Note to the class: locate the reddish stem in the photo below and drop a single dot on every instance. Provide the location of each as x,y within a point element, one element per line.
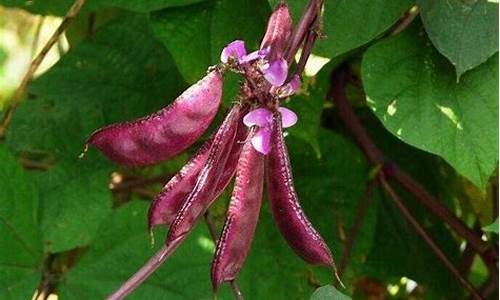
<point>153,263</point>
<point>376,158</point>
<point>426,237</point>
<point>363,206</point>
<point>311,13</point>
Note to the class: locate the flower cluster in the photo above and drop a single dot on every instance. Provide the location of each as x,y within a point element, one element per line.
<point>249,143</point>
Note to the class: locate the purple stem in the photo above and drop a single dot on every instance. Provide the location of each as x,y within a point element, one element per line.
<point>153,263</point>
<point>311,13</point>
<point>376,158</point>
<point>426,237</point>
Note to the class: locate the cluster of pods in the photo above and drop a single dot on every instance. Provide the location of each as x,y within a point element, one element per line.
<point>248,145</point>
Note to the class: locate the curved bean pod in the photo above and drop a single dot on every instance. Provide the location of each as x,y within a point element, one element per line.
<point>165,133</point>
<point>169,201</point>
<point>203,193</point>
<point>242,217</point>
<point>285,207</point>
<point>279,30</point>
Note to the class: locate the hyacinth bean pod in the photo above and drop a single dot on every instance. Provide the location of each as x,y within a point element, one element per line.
<point>242,217</point>
<point>165,133</point>
<point>278,32</point>
<point>285,207</point>
<point>169,201</point>
<point>203,193</point>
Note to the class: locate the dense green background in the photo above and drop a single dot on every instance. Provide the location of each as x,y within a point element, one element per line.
<point>427,95</point>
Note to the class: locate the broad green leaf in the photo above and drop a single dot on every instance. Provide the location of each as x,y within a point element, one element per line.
<point>185,32</point>
<point>21,247</point>
<point>238,19</point>
<point>413,91</point>
<point>466,32</point>
<point>328,292</point>
<point>122,73</point>
<point>399,252</point>
<point>308,109</point>
<point>493,227</point>
<point>75,200</point>
<point>349,24</point>
<point>52,7</point>
<point>60,7</point>
<point>123,246</point>
<point>140,5</point>
<point>196,34</point>
<point>308,105</point>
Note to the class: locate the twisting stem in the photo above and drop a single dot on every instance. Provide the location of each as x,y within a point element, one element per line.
<point>213,233</point>
<point>310,39</point>
<point>473,238</point>
<point>363,206</point>
<point>19,93</point>
<point>375,157</point>
<point>425,236</point>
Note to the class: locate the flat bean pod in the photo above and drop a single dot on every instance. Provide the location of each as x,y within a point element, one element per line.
<point>285,207</point>
<point>169,201</point>
<point>278,32</point>
<point>203,193</point>
<point>242,217</point>
<point>166,133</point>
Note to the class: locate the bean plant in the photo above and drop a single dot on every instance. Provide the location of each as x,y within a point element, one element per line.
<point>220,149</point>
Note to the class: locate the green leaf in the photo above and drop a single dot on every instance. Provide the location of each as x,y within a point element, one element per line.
<point>349,24</point>
<point>196,34</point>
<point>466,32</point>
<point>238,20</point>
<point>413,91</point>
<point>76,200</point>
<point>122,73</point>
<point>60,7</point>
<point>143,6</point>
<point>21,250</point>
<point>52,7</point>
<point>328,292</point>
<point>493,227</point>
<point>123,246</point>
<point>185,32</point>
<point>397,250</point>
<point>308,109</point>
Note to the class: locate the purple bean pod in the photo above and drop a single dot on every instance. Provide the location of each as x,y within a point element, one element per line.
<point>278,32</point>
<point>203,193</point>
<point>242,217</point>
<point>166,133</point>
<point>285,207</point>
<point>169,201</point>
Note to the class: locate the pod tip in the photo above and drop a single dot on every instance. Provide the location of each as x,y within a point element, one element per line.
<point>151,237</point>
<point>85,149</point>
<point>336,274</point>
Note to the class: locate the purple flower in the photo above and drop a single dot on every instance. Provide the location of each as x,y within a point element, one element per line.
<point>275,72</point>
<point>288,89</point>
<point>236,50</point>
<point>263,119</point>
